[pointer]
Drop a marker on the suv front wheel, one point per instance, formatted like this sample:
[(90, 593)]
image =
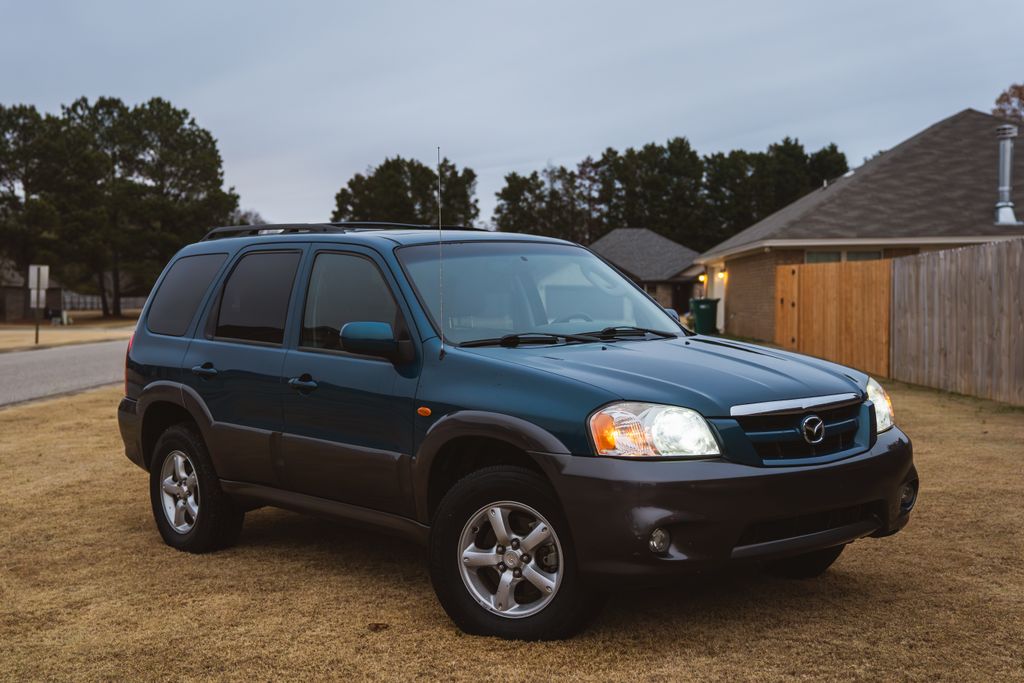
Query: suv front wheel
[(502, 561), (191, 511)]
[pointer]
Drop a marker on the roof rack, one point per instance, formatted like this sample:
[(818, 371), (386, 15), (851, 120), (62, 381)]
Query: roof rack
[(292, 228)]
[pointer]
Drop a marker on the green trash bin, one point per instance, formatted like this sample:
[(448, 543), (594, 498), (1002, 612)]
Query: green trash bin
[(705, 312)]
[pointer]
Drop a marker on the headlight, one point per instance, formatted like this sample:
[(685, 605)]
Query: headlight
[(651, 430), (883, 406)]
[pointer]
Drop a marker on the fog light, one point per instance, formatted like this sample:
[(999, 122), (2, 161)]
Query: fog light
[(659, 541), (908, 496)]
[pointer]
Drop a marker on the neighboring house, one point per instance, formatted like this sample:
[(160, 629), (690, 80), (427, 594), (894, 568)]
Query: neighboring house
[(653, 261), (936, 190)]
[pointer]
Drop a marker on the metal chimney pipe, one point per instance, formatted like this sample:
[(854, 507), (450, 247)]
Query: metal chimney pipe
[(1004, 205)]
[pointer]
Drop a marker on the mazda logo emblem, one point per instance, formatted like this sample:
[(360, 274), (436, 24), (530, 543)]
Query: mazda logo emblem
[(813, 429)]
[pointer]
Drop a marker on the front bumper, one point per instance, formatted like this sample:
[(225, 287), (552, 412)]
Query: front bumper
[(719, 511)]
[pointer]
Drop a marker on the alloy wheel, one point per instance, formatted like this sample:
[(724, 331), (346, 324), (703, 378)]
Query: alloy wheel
[(510, 559), (179, 491)]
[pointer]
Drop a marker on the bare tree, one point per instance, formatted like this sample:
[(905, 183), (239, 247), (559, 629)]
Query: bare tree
[(1010, 104)]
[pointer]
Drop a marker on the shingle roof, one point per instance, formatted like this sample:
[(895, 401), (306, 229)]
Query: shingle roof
[(938, 183), (644, 254)]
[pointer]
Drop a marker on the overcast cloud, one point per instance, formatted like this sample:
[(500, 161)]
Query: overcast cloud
[(302, 95)]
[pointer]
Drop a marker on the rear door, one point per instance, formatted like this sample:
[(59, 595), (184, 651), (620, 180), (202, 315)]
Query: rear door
[(235, 361), (348, 427)]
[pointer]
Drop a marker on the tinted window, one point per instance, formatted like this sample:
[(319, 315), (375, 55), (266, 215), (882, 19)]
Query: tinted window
[(255, 300), (344, 288), (175, 302)]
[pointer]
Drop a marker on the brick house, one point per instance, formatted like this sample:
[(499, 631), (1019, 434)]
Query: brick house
[(654, 262), (935, 190)]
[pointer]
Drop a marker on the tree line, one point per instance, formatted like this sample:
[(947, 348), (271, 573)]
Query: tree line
[(693, 199), (669, 188), (107, 192)]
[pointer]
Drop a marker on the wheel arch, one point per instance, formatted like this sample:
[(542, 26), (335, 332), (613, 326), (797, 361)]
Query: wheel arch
[(465, 441), (163, 404)]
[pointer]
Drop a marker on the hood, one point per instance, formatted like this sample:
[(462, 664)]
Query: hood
[(707, 374)]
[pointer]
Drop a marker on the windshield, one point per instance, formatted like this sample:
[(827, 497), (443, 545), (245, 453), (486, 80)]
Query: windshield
[(493, 289)]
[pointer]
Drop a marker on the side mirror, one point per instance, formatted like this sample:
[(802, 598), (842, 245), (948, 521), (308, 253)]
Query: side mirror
[(369, 339), (673, 312)]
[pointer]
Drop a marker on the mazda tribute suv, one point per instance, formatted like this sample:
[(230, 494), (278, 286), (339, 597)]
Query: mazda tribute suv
[(512, 402)]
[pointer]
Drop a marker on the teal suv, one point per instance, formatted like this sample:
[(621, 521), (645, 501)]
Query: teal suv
[(512, 402)]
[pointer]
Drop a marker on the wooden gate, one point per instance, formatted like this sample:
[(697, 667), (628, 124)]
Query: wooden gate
[(836, 311)]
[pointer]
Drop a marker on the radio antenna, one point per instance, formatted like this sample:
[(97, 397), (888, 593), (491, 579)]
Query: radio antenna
[(440, 256)]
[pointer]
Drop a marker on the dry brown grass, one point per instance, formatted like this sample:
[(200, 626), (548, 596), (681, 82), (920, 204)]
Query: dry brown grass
[(89, 326), (88, 590)]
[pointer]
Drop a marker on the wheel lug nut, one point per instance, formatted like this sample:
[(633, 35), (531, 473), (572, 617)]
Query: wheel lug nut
[(526, 558), (501, 567), (515, 543), (516, 573), (500, 549)]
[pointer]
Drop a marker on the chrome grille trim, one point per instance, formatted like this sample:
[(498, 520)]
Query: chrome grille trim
[(796, 405)]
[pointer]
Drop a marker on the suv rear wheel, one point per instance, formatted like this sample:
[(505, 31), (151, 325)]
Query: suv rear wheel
[(502, 561), (191, 511)]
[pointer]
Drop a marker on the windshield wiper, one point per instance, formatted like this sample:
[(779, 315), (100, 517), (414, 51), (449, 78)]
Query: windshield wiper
[(629, 331), (512, 340)]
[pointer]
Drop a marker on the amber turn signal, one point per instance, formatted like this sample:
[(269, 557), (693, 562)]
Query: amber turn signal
[(603, 427), (424, 411)]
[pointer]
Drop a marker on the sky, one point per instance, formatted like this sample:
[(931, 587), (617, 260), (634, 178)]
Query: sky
[(302, 95)]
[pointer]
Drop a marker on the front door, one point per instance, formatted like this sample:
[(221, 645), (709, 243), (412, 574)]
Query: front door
[(348, 418), (235, 363)]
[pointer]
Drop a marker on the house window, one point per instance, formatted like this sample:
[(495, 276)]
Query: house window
[(823, 256), (863, 255), (847, 255)]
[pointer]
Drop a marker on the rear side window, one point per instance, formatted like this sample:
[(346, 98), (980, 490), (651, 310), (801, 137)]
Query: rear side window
[(255, 300), (175, 302), (344, 288)]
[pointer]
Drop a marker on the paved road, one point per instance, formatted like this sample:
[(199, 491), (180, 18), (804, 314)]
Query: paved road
[(25, 375)]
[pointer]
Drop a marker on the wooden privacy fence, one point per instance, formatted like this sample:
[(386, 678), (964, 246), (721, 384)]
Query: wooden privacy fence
[(958, 320), (838, 311), (952, 319)]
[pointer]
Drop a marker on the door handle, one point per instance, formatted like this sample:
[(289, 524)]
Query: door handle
[(205, 370), (303, 383)]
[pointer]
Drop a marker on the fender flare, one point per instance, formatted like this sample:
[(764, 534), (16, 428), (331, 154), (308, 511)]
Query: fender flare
[(519, 433), (166, 391)]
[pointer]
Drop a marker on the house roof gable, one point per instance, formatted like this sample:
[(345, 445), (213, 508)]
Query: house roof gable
[(644, 254), (939, 183)]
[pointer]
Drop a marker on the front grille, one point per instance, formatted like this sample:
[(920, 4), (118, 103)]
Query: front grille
[(778, 437), (779, 529)]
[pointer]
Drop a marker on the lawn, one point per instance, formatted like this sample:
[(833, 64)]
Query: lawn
[(88, 590), (88, 326)]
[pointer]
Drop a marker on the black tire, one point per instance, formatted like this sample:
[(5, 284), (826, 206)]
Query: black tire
[(572, 606), (807, 566), (218, 523)]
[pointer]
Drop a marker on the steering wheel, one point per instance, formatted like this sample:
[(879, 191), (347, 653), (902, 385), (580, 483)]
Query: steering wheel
[(573, 316)]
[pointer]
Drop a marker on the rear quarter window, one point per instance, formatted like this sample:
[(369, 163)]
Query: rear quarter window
[(175, 302), (254, 304)]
